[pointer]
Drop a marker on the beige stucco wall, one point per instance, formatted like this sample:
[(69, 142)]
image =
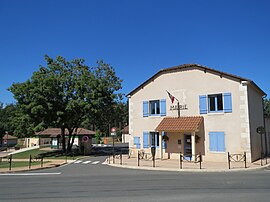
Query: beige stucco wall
[(187, 85), (256, 120)]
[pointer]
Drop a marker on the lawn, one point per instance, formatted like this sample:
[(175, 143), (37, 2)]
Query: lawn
[(26, 154), (35, 152)]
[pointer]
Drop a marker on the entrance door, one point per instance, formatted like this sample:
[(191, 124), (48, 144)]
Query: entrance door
[(187, 147)]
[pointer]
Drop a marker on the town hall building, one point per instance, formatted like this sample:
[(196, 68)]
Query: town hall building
[(192, 109)]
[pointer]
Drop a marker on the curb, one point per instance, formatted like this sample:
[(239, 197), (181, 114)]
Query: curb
[(32, 169), (188, 170)]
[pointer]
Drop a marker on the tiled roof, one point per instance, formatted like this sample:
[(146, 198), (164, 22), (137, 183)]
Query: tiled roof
[(53, 132), (9, 137), (181, 124), (125, 130), (197, 66)]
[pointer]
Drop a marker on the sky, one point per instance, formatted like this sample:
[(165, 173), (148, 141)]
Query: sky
[(137, 37)]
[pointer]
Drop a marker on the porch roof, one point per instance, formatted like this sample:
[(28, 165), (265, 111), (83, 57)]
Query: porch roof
[(180, 124)]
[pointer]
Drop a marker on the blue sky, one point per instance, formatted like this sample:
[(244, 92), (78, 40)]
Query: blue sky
[(138, 38)]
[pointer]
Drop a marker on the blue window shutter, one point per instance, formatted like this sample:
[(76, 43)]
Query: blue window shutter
[(145, 108), (203, 104), (164, 145), (145, 139), (163, 107), (213, 141), (138, 146), (221, 142), (137, 142), (227, 97)]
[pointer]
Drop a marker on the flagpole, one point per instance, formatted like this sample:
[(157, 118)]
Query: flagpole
[(172, 99), (178, 108)]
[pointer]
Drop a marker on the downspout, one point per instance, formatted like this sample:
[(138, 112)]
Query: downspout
[(265, 138)]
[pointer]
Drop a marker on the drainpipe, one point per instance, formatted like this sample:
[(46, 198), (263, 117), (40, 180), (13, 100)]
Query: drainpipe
[(265, 138)]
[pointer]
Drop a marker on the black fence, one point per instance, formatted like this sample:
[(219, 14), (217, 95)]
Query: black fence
[(237, 158), (197, 158), (11, 161), (143, 156)]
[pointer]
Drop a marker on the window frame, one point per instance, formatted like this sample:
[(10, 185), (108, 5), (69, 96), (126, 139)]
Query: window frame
[(157, 108), (216, 103)]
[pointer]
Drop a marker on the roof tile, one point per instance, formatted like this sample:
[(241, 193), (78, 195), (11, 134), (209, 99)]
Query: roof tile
[(180, 124)]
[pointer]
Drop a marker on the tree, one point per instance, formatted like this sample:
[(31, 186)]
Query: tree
[(66, 93), (267, 106)]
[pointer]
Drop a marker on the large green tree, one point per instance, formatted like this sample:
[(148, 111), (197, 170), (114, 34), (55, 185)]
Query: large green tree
[(66, 93), (267, 107)]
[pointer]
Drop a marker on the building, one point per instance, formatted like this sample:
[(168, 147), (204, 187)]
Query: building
[(219, 113), (52, 136), (9, 141), (125, 135)]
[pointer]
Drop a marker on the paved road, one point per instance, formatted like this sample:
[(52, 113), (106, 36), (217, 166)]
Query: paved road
[(90, 180)]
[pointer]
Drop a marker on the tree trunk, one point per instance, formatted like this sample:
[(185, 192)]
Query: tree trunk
[(70, 140), (63, 139)]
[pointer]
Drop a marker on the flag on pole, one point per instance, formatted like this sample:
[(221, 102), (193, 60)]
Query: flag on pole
[(171, 97)]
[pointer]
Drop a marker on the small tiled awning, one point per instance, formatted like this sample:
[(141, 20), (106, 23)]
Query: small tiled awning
[(180, 124)]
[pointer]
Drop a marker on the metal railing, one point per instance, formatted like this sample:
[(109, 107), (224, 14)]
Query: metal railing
[(197, 158), (237, 158)]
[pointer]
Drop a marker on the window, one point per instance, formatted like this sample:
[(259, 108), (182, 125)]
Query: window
[(217, 141), (154, 107), (215, 103)]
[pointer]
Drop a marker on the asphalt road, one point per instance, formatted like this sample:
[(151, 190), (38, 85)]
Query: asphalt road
[(89, 180)]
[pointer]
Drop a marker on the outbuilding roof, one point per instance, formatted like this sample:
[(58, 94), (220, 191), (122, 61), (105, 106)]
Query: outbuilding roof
[(180, 124), (200, 67), (9, 137), (54, 132)]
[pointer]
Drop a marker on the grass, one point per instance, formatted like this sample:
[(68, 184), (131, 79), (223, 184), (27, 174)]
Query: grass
[(35, 152), (17, 164), (26, 154)]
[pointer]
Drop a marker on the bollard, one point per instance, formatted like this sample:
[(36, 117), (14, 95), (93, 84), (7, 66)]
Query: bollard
[(41, 160), (138, 159), (229, 160), (30, 161), (200, 160), (10, 161), (180, 161), (245, 158)]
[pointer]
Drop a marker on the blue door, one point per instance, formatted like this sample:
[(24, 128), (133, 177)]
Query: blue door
[(187, 147)]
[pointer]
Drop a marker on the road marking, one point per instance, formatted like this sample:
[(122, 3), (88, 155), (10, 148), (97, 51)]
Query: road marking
[(77, 161), (27, 174), (95, 162), (86, 162), (104, 163)]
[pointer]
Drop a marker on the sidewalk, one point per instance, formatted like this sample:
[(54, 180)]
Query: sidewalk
[(174, 165)]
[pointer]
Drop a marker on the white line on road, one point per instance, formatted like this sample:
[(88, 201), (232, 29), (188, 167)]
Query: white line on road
[(27, 174), (77, 161), (95, 162), (86, 162)]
